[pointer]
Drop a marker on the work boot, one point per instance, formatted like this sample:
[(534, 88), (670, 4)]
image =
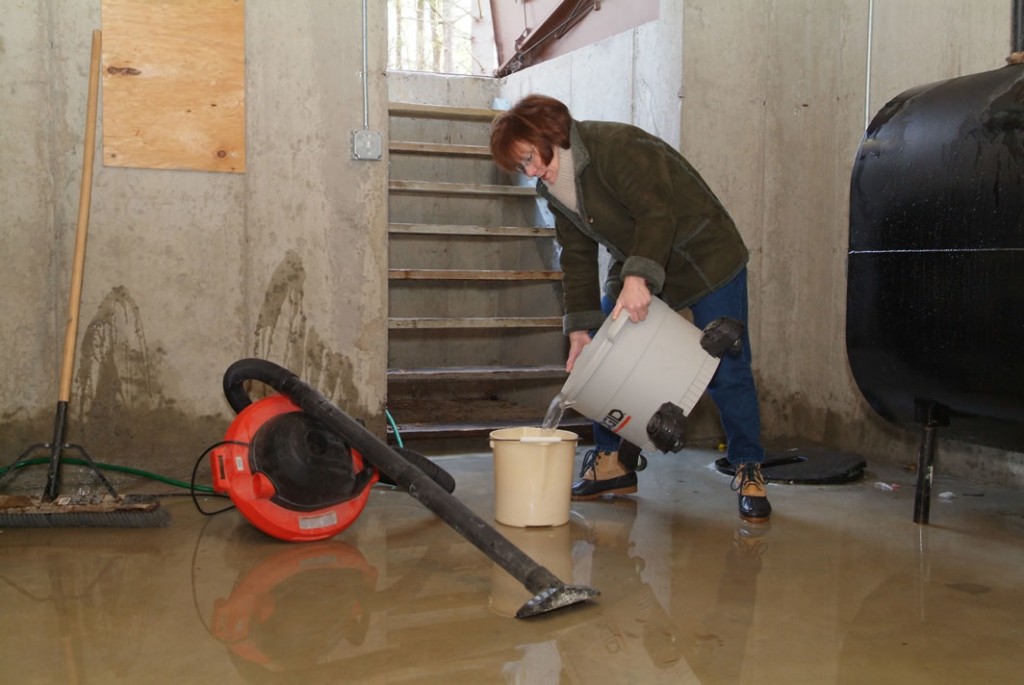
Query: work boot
[(753, 498), (603, 474)]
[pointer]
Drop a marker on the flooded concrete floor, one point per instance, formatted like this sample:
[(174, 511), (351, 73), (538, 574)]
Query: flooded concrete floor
[(841, 587)]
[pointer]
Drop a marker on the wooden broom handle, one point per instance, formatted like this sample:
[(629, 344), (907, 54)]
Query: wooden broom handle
[(84, 198)]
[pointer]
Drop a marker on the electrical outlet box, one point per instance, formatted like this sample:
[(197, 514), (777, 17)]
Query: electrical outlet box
[(367, 145)]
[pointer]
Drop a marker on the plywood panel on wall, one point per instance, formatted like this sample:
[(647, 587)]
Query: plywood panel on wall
[(174, 84)]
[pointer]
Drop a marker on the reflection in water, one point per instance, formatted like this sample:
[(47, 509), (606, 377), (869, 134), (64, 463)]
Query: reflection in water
[(932, 627), (633, 630), (331, 611), (639, 627), (680, 585), (720, 645), (71, 595), (549, 546), (323, 612), (310, 612), (297, 607), (86, 591)]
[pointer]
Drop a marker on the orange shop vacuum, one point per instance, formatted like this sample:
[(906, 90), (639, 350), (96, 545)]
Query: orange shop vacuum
[(300, 469)]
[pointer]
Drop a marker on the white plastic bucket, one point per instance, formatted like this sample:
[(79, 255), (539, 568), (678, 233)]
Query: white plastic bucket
[(630, 369), (532, 475)]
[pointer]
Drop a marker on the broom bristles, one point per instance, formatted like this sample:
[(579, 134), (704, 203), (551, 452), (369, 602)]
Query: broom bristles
[(129, 511)]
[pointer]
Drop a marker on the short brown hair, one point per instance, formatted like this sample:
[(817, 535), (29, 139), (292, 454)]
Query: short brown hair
[(537, 120)]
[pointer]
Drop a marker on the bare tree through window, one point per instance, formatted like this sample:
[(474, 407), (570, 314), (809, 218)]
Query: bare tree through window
[(441, 36)]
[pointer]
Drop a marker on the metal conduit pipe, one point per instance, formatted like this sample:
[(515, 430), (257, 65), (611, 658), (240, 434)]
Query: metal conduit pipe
[(867, 64), (1017, 37), (366, 68), (366, 144)]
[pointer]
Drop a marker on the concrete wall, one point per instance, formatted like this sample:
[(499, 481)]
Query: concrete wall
[(789, 105), (187, 272), (769, 99), (634, 76)]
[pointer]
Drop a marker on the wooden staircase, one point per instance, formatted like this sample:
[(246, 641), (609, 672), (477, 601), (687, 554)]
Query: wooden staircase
[(475, 339)]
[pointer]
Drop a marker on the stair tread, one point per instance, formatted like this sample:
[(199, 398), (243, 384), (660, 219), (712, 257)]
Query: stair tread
[(475, 322), (448, 188), (477, 372), (463, 427), (474, 275), (468, 429), (423, 111), (410, 147), (462, 409), (463, 230)]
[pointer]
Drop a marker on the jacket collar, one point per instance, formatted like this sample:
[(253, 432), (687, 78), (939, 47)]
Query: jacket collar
[(580, 156)]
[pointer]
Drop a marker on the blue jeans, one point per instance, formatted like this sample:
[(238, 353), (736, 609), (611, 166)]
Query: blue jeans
[(732, 387)]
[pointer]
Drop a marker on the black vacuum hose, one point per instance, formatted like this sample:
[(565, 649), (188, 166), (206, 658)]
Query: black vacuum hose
[(273, 375)]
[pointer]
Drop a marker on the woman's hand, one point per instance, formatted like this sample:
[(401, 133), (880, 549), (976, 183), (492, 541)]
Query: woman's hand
[(634, 299), (577, 341)]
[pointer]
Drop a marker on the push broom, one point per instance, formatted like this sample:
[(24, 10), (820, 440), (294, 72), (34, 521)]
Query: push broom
[(53, 509)]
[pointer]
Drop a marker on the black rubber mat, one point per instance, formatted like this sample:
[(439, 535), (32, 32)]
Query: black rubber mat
[(812, 466)]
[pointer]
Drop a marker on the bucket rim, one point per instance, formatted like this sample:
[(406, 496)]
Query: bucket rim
[(517, 434)]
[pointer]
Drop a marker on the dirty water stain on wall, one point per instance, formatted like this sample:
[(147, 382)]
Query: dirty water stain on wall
[(113, 367), (284, 335), (118, 412)]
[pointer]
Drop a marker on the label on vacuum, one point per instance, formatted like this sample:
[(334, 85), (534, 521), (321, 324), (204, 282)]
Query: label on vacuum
[(322, 521), (615, 420)]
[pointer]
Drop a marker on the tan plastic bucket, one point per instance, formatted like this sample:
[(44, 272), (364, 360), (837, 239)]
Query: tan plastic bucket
[(532, 475)]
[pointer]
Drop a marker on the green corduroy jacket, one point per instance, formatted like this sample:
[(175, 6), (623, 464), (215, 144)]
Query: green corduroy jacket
[(649, 207)]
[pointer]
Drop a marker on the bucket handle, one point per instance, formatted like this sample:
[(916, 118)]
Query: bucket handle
[(617, 326), (593, 359)]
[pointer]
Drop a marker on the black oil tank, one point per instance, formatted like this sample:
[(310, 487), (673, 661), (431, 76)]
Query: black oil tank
[(935, 291)]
